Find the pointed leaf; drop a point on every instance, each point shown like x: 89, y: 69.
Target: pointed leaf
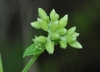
x: 33, y: 49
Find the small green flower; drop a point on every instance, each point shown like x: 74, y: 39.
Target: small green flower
x: 72, y: 38
x: 71, y: 30
x: 41, y: 39
x: 76, y: 44
x: 54, y: 16
x: 50, y: 47
x: 43, y: 24
x: 63, y: 21
x: 54, y: 26
x: 35, y: 24
x: 63, y: 44
x: 55, y: 36
x: 52, y: 13
x: 62, y: 31
x: 42, y: 14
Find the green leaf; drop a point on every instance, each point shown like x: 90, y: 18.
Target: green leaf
x: 33, y: 49
x: 76, y: 44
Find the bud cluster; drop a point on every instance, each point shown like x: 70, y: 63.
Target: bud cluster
x: 57, y: 33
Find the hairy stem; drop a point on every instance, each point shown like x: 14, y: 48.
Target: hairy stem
x: 32, y: 60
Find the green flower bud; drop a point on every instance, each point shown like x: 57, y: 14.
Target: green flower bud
x: 43, y: 15
x: 41, y: 39
x: 63, y: 44
x: 62, y: 31
x: 71, y: 31
x: 52, y: 13
x: 63, y: 21
x: 35, y: 25
x: 46, y: 18
x: 43, y: 24
x: 76, y: 44
x: 54, y: 16
x: 50, y: 47
x: 71, y: 39
x: 54, y: 26
x: 75, y: 34
x: 55, y: 36
x: 35, y: 39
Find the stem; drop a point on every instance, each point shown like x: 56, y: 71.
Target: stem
x: 32, y: 60
x: 1, y: 67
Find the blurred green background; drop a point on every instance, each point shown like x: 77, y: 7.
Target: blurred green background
x: 16, y: 34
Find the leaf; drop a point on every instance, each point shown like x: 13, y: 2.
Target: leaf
x: 33, y: 49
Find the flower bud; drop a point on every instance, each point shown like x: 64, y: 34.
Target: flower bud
x: 35, y: 25
x: 71, y: 31
x: 54, y: 26
x: 52, y: 13
x: 75, y: 34
x: 41, y: 39
x: 63, y: 44
x: 43, y: 24
x: 55, y: 36
x: 62, y: 31
x: 54, y: 16
x: 71, y: 39
x: 76, y: 44
x: 63, y: 21
x: 50, y: 47
x: 43, y: 15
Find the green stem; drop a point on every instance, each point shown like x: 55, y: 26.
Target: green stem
x: 32, y: 60
x: 1, y: 67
